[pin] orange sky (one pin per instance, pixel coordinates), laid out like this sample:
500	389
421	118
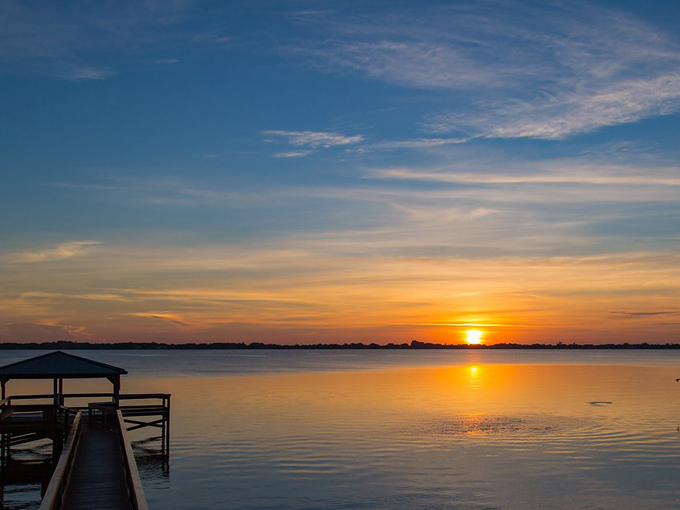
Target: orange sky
310	295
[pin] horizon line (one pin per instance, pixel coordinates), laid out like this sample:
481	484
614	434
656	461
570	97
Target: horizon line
413	345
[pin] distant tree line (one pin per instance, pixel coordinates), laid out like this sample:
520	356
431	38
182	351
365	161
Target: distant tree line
415	344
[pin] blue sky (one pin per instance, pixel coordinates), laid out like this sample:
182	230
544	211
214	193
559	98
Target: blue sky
325	171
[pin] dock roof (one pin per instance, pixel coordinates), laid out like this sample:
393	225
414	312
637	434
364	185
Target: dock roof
58	365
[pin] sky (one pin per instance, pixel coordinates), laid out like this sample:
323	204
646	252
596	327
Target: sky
313	171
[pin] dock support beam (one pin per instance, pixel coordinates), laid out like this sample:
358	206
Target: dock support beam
115	380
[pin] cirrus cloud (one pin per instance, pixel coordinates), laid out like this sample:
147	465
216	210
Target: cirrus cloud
314	139
59	252
512	69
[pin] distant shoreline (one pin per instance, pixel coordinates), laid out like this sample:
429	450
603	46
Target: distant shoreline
413	345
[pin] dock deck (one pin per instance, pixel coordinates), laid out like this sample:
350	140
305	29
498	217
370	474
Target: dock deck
97	479
96	469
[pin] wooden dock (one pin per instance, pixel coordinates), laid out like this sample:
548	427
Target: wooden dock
96	469
95	466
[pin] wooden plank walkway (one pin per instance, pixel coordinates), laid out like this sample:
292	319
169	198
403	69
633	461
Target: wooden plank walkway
98	477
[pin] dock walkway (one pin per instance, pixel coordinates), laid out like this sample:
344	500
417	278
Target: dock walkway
98	476
96	469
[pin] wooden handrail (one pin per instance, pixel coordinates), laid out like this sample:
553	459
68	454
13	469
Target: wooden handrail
83	395
135	487
30	407
126	396
156	406
28	397
54	495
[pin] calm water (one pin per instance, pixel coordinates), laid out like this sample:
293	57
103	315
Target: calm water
418	429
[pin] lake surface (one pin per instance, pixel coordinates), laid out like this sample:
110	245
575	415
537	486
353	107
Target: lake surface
511	430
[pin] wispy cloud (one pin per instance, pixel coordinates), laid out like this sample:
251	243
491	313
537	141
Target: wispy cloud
47	331
46	296
59	252
574	175
422	64
68	40
647	314
512	69
161	191
313	139
292	154
571	112
418	143
88	73
168	318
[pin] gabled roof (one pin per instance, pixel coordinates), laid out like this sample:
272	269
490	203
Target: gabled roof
57	365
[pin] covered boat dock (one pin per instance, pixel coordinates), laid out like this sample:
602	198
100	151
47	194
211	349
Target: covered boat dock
94	466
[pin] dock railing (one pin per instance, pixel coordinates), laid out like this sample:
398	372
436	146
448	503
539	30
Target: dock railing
35	413
56	490
135	489
12	401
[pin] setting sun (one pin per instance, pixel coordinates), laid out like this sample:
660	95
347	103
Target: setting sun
473	336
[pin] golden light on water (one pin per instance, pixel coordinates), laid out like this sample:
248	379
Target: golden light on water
474	336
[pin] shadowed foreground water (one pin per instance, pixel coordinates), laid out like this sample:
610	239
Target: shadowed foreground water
482	433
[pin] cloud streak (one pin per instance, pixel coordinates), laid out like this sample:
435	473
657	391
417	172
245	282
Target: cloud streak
418	143
292	154
592	176
631	315
313	139
44	332
59	252
568	113
88	73
168	318
67	41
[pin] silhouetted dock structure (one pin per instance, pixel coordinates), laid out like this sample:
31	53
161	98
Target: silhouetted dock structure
92	459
